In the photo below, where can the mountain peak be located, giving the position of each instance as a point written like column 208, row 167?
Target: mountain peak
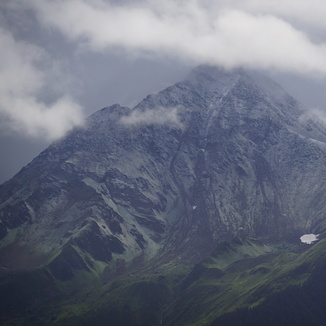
column 215, row 73
column 167, row 188
column 214, row 77
column 221, row 155
column 216, row 80
column 235, row 95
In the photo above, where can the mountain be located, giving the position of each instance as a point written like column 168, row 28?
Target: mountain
column 223, row 169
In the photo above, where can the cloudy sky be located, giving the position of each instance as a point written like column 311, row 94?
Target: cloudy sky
column 62, row 60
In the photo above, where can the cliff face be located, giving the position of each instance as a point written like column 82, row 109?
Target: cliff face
column 217, row 156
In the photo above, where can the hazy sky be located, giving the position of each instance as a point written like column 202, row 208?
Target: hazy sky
column 62, row 60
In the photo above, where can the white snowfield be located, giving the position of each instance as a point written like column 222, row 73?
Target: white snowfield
column 309, row 238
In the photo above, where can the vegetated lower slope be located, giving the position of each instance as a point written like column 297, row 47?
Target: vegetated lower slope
column 125, row 206
column 242, row 280
column 296, row 304
column 210, row 291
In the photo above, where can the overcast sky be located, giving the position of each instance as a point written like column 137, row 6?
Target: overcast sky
column 62, row 60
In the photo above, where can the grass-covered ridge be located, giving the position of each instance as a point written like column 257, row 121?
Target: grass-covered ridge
column 239, row 274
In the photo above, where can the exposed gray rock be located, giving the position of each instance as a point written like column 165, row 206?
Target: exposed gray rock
column 240, row 158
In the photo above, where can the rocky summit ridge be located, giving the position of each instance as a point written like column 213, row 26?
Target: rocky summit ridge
column 220, row 155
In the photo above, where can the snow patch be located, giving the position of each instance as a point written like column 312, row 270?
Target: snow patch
column 309, row 238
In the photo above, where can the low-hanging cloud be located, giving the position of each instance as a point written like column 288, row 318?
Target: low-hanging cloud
column 157, row 116
column 23, row 77
column 314, row 114
column 256, row 34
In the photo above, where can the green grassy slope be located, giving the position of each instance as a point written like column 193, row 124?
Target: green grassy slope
column 240, row 278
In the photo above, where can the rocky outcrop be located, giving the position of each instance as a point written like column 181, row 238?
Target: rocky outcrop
column 220, row 155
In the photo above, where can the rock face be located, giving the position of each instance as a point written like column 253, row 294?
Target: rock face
column 220, row 155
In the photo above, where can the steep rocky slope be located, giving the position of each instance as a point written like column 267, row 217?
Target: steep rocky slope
column 221, row 155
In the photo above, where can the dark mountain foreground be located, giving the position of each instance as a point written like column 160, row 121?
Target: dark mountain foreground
column 185, row 210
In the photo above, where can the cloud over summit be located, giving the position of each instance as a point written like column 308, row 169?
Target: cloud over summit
column 263, row 34
column 256, row 34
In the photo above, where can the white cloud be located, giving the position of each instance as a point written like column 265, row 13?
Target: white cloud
column 25, row 72
column 316, row 115
column 230, row 33
column 159, row 116
column 252, row 33
column 311, row 12
column 320, row 114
